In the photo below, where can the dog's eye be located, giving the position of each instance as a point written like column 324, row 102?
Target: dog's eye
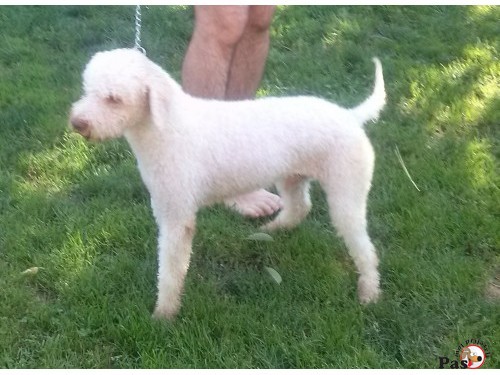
column 113, row 99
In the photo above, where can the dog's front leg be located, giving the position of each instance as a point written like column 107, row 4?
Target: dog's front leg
column 174, row 252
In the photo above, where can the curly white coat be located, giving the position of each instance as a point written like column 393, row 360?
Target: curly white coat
column 192, row 152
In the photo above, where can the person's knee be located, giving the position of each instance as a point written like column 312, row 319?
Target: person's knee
column 260, row 18
column 223, row 25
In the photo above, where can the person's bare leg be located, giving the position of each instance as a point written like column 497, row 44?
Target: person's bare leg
column 249, row 59
column 208, row 65
column 245, row 74
column 217, row 30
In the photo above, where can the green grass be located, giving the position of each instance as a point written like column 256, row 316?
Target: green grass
column 80, row 213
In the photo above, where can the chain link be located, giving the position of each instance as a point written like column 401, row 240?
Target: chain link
column 138, row 25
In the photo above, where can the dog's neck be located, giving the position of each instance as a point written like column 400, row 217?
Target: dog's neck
column 145, row 137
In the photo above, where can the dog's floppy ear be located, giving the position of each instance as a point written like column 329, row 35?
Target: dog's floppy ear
column 158, row 94
column 162, row 89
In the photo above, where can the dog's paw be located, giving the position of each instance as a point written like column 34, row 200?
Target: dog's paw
column 164, row 313
column 368, row 290
column 271, row 226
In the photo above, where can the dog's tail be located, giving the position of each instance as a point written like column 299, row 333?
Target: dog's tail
column 371, row 107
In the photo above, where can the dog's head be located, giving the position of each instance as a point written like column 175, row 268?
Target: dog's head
column 117, row 90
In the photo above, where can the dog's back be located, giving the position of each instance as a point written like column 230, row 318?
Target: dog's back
column 293, row 111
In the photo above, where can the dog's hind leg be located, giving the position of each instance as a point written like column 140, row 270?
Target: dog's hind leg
column 347, row 204
column 294, row 192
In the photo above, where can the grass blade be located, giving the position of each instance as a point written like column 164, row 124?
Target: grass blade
column 398, row 154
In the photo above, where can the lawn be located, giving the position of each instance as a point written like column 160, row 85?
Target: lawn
column 79, row 212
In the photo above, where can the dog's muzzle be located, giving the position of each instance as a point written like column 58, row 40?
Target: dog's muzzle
column 80, row 125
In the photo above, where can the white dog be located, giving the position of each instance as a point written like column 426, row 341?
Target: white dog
column 193, row 152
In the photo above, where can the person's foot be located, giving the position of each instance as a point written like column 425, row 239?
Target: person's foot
column 256, row 204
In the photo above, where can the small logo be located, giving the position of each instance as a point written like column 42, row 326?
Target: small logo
column 473, row 355
column 470, row 354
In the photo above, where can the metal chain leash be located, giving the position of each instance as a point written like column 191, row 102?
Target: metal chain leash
column 138, row 25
